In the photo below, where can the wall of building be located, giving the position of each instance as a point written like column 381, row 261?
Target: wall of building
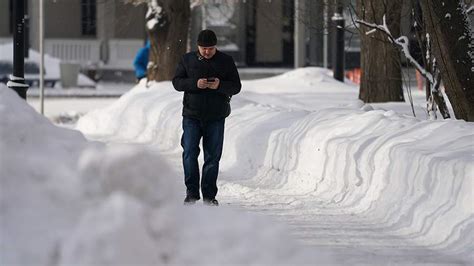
column 33, row 13
column 269, row 35
column 129, row 21
column 63, row 19
column 315, row 33
column 4, row 19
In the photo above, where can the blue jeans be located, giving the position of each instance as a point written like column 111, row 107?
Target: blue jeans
column 212, row 133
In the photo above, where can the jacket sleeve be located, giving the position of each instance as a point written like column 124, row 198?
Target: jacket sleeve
column 181, row 81
column 231, row 85
column 140, row 63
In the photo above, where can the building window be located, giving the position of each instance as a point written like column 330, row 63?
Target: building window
column 89, row 17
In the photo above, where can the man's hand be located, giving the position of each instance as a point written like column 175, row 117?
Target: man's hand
column 204, row 84
column 214, row 84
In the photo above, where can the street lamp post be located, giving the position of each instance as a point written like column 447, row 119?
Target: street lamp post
column 338, row 55
column 17, row 80
column 41, row 50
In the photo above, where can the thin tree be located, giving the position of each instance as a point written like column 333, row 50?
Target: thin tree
column 452, row 42
column 381, row 79
column 434, row 96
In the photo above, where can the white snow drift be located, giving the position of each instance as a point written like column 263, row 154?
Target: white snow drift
column 64, row 201
column 357, row 185
column 372, row 186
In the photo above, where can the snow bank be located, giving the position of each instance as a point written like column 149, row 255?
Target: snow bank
column 66, row 201
column 39, row 195
column 413, row 177
column 369, row 179
column 123, row 231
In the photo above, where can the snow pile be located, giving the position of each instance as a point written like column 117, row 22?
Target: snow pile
column 413, row 177
column 142, row 111
column 38, row 182
column 300, row 146
column 64, row 200
column 123, row 231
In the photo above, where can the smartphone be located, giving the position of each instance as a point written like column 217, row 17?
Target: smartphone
column 211, row 79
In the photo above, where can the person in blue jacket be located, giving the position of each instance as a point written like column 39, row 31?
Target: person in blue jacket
column 141, row 61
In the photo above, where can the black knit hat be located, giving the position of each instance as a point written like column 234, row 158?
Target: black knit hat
column 207, row 38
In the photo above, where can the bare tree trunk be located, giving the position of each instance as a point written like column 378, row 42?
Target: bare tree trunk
column 168, row 38
column 432, row 90
column 381, row 79
column 451, row 39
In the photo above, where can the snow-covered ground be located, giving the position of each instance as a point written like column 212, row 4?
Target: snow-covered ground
column 69, row 107
column 309, row 175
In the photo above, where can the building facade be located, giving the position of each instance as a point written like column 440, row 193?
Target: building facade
column 257, row 33
column 91, row 32
column 276, row 33
column 109, row 32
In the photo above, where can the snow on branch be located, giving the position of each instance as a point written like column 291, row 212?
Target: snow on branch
column 434, row 79
column 135, row 2
column 402, row 42
column 470, row 9
column 383, row 28
column 155, row 15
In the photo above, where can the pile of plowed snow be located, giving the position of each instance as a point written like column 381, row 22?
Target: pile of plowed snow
column 302, row 140
column 65, row 200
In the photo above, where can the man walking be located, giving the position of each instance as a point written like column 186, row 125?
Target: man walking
column 208, row 79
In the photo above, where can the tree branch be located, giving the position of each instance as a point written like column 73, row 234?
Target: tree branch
column 402, row 42
column 434, row 80
column 470, row 10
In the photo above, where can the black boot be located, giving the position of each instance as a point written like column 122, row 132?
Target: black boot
column 190, row 200
column 211, row 202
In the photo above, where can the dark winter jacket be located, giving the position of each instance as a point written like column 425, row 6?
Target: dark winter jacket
column 206, row 104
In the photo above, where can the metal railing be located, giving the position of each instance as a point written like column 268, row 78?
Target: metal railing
column 119, row 53
column 84, row 52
